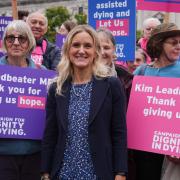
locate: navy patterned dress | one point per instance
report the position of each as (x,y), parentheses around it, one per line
(77,162)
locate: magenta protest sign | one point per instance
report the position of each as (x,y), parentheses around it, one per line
(159,5)
(23,94)
(153,117)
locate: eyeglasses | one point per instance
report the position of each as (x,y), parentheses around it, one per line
(149,29)
(173,42)
(11,38)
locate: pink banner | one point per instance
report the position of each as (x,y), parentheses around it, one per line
(153,117)
(31,102)
(159,5)
(118,27)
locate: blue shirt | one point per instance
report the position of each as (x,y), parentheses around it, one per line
(172,70)
(77,162)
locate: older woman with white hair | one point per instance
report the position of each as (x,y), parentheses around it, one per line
(148,25)
(19,159)
(18,42)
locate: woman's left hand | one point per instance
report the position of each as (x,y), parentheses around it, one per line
(119,177)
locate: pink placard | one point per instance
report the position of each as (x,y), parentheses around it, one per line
(118,27)
(159,5)
(153,116)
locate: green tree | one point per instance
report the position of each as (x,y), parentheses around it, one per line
(56,16)
(138,35)
(81,18)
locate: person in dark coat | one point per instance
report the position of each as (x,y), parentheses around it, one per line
(108,46)
(85,134)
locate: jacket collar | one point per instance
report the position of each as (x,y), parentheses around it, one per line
(64,103)
(99,92)
(29,61)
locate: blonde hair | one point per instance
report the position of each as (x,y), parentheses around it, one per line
(24,29)
(65,69)
(110,38)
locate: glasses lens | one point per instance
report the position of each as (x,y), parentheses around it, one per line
(11,39)
(22,39)
(174,42)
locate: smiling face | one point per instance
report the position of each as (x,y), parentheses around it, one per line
(171,50)
(38,24)
(16,44)
(82,51)
(107,48)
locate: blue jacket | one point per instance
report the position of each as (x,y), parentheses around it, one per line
(3,61)
(106,132)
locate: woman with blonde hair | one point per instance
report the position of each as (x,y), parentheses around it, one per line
(85,133)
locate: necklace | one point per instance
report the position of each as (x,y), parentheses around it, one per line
(80,91)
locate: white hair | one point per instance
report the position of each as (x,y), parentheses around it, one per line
(23,28)
(37,13)
(152,19)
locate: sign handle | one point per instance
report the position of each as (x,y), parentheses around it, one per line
(14,9)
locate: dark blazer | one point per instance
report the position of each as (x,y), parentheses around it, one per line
(107,128)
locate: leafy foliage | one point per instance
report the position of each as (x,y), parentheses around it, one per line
(138,35)
(56,16)
(81,18)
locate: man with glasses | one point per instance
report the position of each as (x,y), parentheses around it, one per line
(45,53)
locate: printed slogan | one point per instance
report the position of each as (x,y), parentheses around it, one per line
(23,94)
(119,18)
(154,123)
